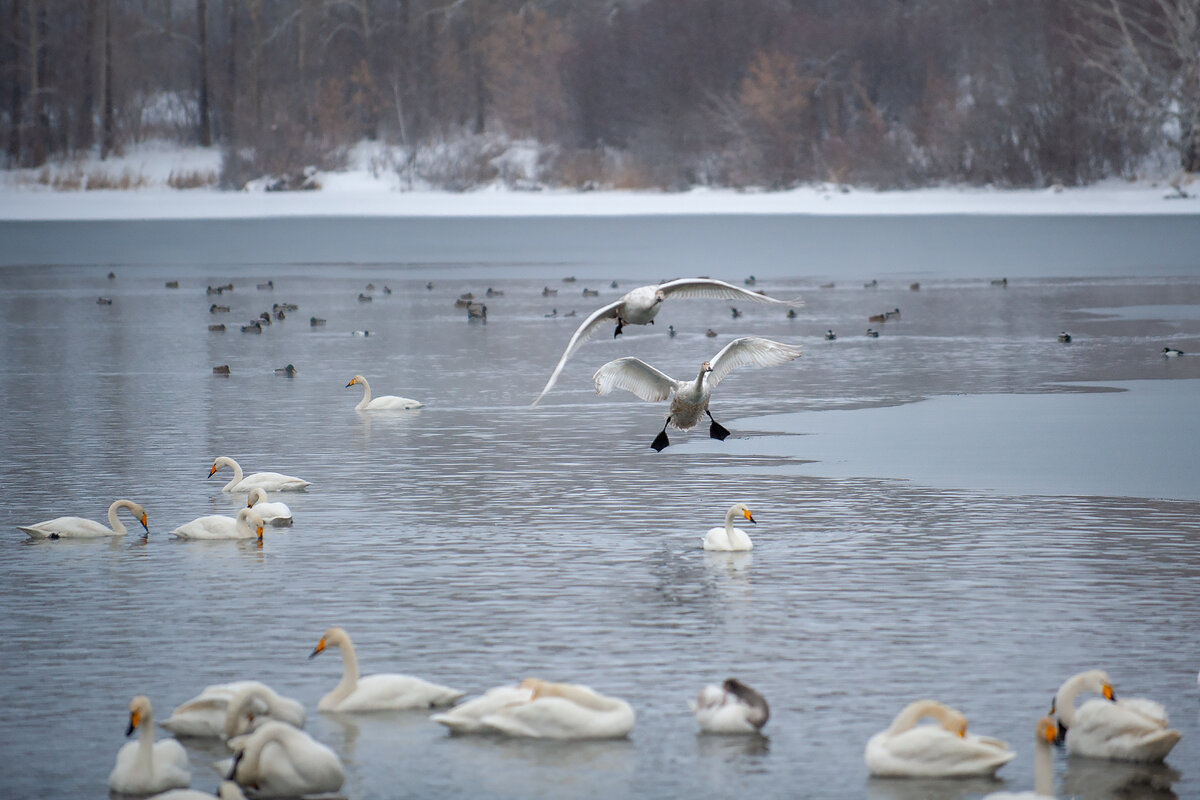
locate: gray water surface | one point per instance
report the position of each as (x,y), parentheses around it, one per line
(476,541)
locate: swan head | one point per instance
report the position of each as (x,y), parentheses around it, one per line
(139,711)
(220,462)
(334,637)
(355,380)
(659,296)
(955,722)
(1045,730)
(252,521)
(139,513)
(745,512)
(257,495)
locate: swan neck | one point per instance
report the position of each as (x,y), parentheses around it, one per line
(917,711)
(729,515)
(114,521)
(233,711)
(1064,700)
(349,669)
(366,398)
(145,751)
(237,474)
(1043,769)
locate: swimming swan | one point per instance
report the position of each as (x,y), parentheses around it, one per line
(1131,729)
(207,715)
(933,751)
(640,306)
(275,514)
(383,692)
(690,397)
(468,717)
(387,402)
(562,711)
(247,525)
(729,537)
(80,528)
(1045,731)
(267,481)
(145,766)
(732,707)
(278,760)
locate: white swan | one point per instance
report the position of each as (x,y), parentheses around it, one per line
(732,707)
(691,398)
(1045,731)
(80,528)
(908,750)
(468,717)
(387,402)
(247,525)
(1131,729)
(207,715)
(278,760)
(145,766)
(268,481)
(275,514)
(729,537)
(562,711)
(640,307)
(255,704)
(382,692)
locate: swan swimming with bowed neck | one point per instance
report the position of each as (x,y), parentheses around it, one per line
(641,305)
(562,711)
(275,514)
(146,766)
(732,707)
(381,692)
(689,399)
(278,760)
(468,717)
(267,481)
(387,402)
(81,528)
(946,750)
(1130,729)
(729,537)
(247,525)
(219,711)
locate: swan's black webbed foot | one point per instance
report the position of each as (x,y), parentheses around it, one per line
(620,325)
(661,441)
(716,430)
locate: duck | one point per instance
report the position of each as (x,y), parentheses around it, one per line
(81,528)
(276,514)
(218,328)
(387,402)
(750,281)
(468,717)
(1064,337)
(828,285)
(387,289)
(710,333)
(254,327)
(871,284)
(315,322)
(207,715)
(830,335)
(381,692)
(690,399)
(613,285)
(562,711)
(671,331)
(877,318)
(146,766)
(364,298)
(591,292)
(1131,729)
(477,312)
(735,312)
(360,333)
(791,313)
(104,301)
(264,318)
(908,750)
(732,707)
(914,287)
(548,292)
(494,292)
(893,314)
(268,481)
(268,285)
(287,372)
(1171,352)
(874,334)
(1000,282)
(279,760)
(553,313)
(216,309)
(729,537)
(429,286)
(280,315)
(221,369)
(641,305)
(247,525)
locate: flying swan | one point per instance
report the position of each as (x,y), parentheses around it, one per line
(275,514)
(1131,729)
(145,766)
(729,537)
(219,710)
(278,760)
(80,528)
(640,306)
(247,525)
(383,692)
(908,750)
(387,402)
(562,711)
(732,707)
(690,397)
(267,481)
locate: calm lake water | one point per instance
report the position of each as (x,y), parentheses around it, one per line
(963,508)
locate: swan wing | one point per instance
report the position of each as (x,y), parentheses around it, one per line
(634,375)
(930,751)
(387,692)
(390,402)
(213,526)
(467,717)
(586,330)
(67,527)
(750,351)
(271,482)
(709,288)
(560,718)
(1127,730)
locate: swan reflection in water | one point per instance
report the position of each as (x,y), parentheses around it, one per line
(931,788)
(1100,779)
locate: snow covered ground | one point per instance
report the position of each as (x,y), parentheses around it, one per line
(370,188)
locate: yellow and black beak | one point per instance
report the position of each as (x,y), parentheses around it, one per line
(1107,691)
(746,514)
(259,530)
(318,649)
(1050,733)
(248,503)
(143,521)
(351,383)
(212,471)
(135,719)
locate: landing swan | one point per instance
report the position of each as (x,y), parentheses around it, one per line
(145,766)
(729,537)
(278,760)
(387,402)
(247,525)
(207,715)
(732,707)
(276,514)
(468,717)
(640,307)
(383,692)
(80,528)
(267,481)
(933,751)
(1132,729)
(691,398)
(562,711)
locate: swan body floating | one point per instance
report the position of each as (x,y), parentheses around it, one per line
(562,711)
(278,760)
(275,514)
(247,525)
(382,692)
(908,750)
(228,790)
(468,717)
(1131,729)
(387,402)
(732,707)
(641,305)
(208,714)
(80,528)
(689,399)
(267,481)
(729,537)
(146,766)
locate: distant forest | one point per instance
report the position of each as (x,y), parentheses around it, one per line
(617,93)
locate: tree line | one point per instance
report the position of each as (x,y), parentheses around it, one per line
(617,93)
